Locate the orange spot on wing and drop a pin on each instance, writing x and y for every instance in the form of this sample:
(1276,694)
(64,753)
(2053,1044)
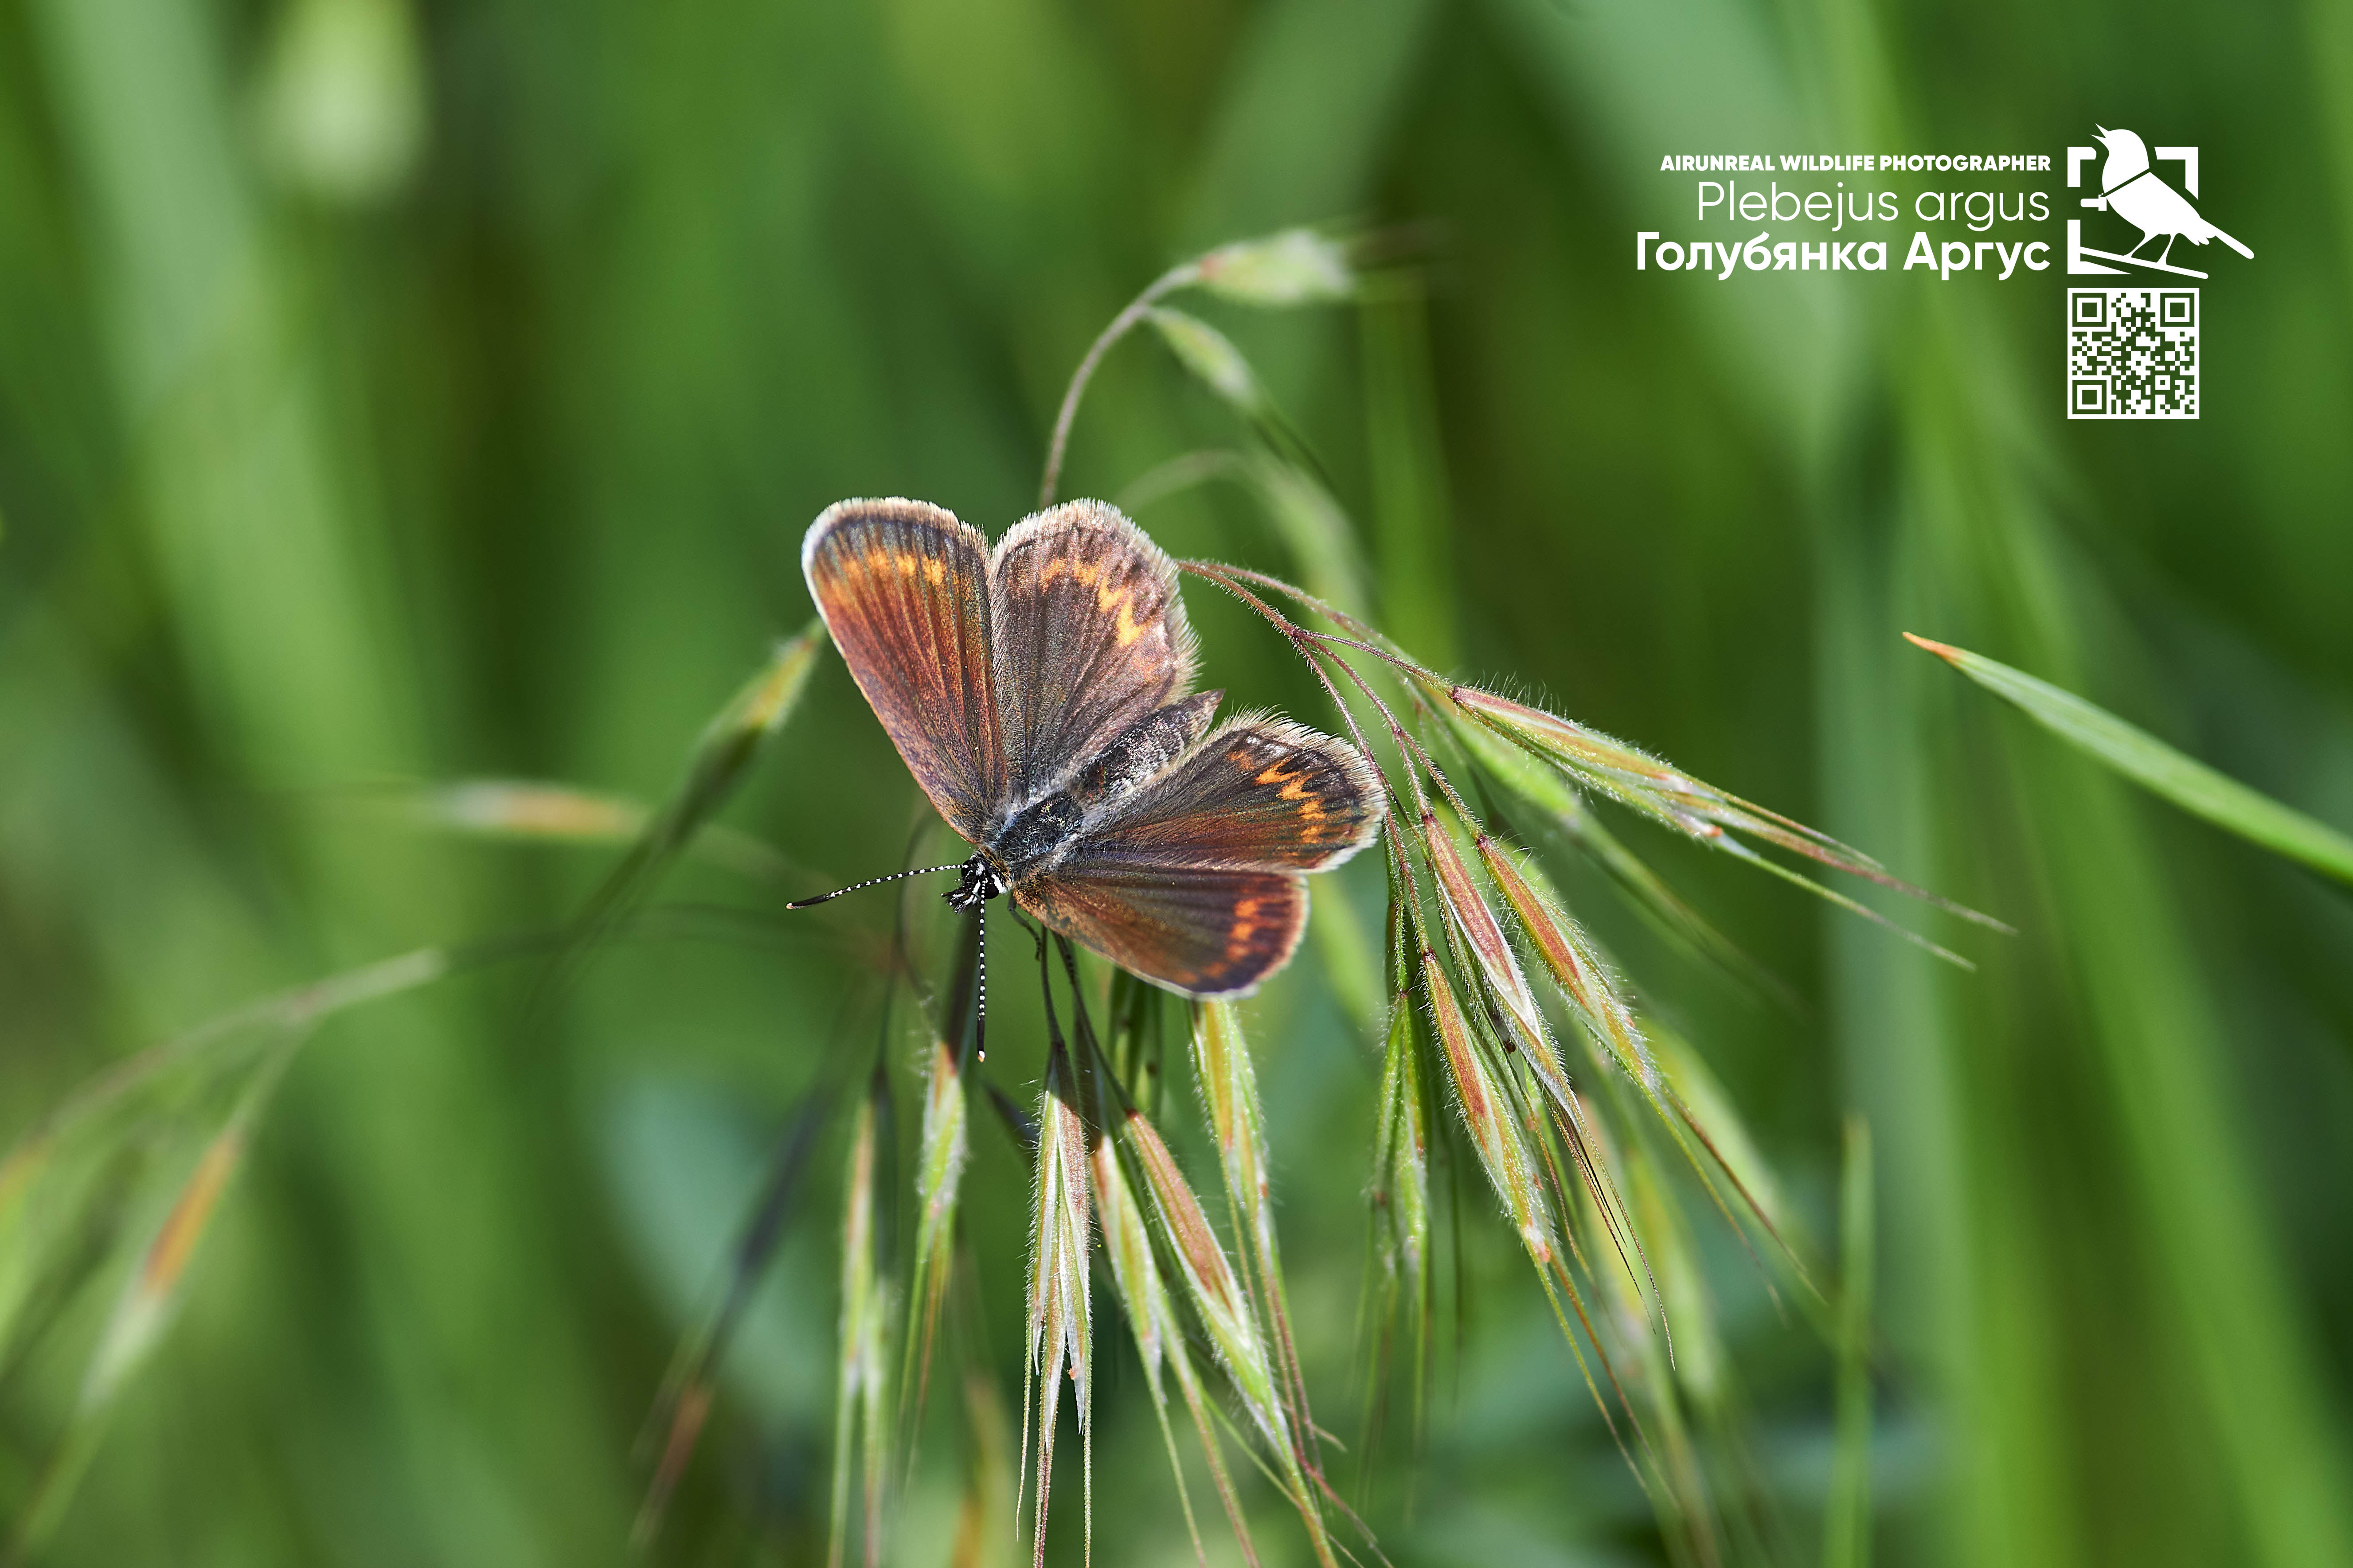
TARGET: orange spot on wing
(1274,775)
(1079,572)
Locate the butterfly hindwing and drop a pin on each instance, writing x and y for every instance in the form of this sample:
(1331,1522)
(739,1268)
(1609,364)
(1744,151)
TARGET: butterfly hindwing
(1195,878)
(1090,636)
(1255,792)
(1207,932)
(904,588)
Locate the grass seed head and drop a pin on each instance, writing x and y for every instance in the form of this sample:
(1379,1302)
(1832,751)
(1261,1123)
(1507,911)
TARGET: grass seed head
(1495,1133)
(1293,267)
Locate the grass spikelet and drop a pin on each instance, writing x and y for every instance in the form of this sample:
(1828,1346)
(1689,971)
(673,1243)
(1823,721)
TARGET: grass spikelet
(153,1289)
(1544,788)
(150,1297)
(1128,1245)
(1293,267)
(1569,958)
(1399,1194)
(1229,1090)
(715,768)
(1697,810)
(1210,358)
(533,811)
(1059,1330)
(859,1392)
(1495,1134)
(1230,1322)
(945,1144)
(1210,1283)
(1479,935)
(69,1185)
(1468,912)
(1505,1135)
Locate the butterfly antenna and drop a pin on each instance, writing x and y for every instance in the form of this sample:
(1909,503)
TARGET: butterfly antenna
(871,882)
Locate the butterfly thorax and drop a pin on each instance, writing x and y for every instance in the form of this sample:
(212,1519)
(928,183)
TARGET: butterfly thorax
(1040,834)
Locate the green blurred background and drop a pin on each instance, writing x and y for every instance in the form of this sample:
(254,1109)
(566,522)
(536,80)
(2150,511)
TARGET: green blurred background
(396,392)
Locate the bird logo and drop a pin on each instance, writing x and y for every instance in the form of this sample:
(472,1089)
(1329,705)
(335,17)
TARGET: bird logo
(2132,189)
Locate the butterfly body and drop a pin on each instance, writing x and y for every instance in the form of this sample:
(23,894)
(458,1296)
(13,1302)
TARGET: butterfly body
(1039,694)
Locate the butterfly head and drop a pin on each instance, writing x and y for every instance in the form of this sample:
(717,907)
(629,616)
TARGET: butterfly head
(981,881)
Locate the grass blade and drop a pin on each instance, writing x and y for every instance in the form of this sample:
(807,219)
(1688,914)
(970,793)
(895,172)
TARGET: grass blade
(1846,1525)
(2157,767)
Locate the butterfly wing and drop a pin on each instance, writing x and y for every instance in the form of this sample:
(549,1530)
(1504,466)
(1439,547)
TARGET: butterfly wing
(1090,638)
(1195,879)
(1206,932)
(1256,793)
(904,588)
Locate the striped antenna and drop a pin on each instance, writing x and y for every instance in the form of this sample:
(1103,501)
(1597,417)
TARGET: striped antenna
(872,882)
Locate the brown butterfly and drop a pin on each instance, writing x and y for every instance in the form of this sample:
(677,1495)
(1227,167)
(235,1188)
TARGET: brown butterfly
(1040,695)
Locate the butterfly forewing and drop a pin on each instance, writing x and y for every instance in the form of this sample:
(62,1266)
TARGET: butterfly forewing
(1209,932)
(1090,636)
(904,588)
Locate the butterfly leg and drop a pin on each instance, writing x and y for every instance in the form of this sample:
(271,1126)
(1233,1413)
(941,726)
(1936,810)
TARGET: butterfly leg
(980,984)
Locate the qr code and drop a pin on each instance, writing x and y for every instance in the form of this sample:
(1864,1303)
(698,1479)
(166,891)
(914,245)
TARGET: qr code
(2132,353)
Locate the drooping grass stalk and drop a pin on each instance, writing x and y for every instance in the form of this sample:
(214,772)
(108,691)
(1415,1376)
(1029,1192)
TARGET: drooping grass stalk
(1295,267)
(683,1405)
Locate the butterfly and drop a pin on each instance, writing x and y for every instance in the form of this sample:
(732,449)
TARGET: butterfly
(1042,694)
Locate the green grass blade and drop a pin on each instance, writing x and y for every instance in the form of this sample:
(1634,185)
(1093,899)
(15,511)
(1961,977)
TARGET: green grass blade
(1846,1535)
(2157,767)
